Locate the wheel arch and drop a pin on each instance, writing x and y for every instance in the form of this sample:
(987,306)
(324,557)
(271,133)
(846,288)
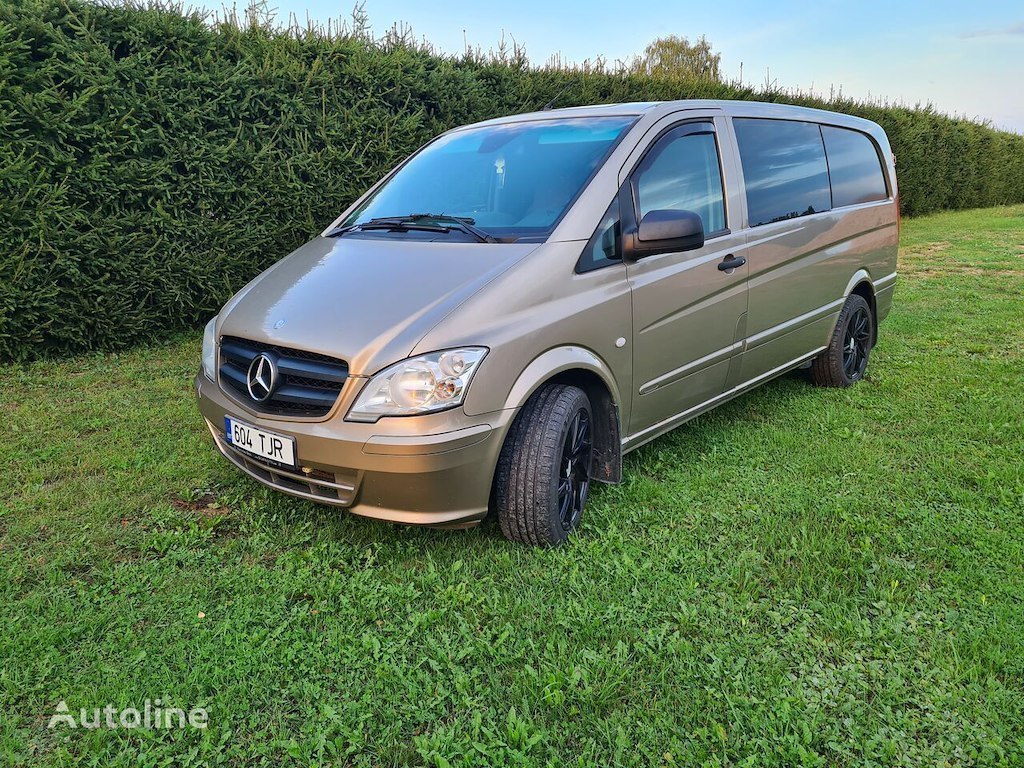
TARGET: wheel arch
(861,284)
(580,367)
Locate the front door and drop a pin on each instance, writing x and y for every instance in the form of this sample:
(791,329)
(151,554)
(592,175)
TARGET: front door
(687,306)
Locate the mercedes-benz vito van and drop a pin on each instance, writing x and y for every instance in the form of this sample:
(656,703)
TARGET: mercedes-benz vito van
(524,300)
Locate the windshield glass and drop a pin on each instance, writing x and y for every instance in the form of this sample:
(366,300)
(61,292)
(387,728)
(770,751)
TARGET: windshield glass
(513,180)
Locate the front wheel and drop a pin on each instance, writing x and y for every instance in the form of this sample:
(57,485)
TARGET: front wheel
(543,475)
(846,358)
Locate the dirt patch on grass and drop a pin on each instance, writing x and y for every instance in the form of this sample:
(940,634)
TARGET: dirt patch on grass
(205,510)
(204,505)
(925,249)
(923,259)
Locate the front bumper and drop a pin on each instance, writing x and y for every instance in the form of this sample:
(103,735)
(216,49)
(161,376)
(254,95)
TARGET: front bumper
(432,469)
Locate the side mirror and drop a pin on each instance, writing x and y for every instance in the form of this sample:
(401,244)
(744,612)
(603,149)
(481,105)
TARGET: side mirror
(666,231)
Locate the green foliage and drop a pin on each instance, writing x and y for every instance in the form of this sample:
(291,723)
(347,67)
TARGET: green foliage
(675,57)
(152,163)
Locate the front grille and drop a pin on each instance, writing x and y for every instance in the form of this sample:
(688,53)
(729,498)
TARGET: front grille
(309,383)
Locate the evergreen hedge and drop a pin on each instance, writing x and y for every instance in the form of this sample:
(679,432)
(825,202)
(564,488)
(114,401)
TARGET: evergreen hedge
(152,163)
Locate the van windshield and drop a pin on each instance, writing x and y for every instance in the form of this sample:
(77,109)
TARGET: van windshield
(510,181)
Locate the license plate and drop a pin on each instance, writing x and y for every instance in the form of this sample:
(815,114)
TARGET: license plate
(260,442)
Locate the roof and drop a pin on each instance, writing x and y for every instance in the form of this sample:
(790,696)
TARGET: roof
(657,109)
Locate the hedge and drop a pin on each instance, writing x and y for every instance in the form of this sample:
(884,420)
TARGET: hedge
(151,163)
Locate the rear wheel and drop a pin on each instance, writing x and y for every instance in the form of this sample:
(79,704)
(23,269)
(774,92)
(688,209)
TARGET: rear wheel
(846,358)
(543,476)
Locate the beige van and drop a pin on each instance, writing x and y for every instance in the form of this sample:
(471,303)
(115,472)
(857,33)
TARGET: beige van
(524,300)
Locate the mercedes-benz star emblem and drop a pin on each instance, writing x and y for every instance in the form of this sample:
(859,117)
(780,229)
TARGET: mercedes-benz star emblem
(262,377)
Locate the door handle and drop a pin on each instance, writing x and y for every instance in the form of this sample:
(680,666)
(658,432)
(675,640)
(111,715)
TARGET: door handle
(731,262)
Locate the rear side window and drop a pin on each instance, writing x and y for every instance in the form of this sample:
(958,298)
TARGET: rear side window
(784,169)
(854,166)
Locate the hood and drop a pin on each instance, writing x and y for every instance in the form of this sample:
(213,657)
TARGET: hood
(365,301)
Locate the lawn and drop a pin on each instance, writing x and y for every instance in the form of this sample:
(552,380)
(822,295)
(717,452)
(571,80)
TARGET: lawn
(801,577)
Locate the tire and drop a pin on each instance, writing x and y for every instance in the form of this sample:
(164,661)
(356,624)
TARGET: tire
(846,358)
(543,473)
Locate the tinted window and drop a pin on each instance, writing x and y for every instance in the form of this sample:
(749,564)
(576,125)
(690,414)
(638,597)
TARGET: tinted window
(682,173)
(603,248)
(784,169)
(854,167)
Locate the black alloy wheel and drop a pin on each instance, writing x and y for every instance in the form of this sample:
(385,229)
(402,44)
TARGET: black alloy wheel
(845,359)
(575,471)
(856,344)
(543,475)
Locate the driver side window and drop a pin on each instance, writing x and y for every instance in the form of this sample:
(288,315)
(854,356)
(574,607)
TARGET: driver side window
(682,173)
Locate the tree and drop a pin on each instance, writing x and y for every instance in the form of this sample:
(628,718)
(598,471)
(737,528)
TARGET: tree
(676,58)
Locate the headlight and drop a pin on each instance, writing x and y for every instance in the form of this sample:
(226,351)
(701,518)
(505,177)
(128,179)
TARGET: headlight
(422,384)
(210,350)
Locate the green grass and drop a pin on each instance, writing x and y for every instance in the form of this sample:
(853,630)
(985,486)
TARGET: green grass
(802,577)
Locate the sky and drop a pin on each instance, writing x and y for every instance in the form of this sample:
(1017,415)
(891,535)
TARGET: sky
(966,58)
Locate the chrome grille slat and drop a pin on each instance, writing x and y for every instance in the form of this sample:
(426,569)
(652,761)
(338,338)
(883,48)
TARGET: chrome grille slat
(316,371)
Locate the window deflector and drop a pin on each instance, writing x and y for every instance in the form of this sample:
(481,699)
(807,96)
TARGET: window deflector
(629,204)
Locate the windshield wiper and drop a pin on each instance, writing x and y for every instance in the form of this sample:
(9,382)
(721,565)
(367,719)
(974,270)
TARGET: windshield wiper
(427,222)
(401,223)
(391,224)
(465,223)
